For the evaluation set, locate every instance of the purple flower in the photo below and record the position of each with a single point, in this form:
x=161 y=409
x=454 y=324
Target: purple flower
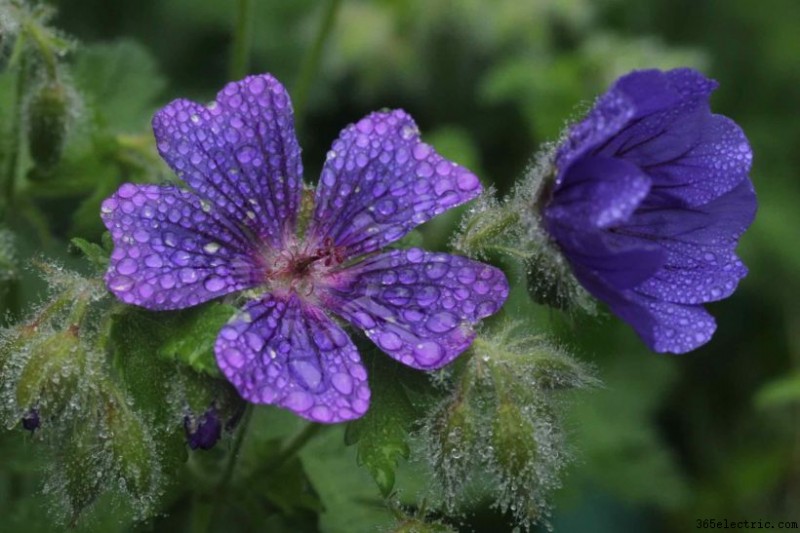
x=204 y=432
x=651 y=196
x=238 y=227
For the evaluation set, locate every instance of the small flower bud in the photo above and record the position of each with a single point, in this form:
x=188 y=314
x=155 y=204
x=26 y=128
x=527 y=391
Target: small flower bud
x=512 y=439
x=30 y=420
x=415 y=525
x=131 y=447
x=48 y=123
x=50 y=370
x=81 y=473
x=456 y=431
x=204 y=431
x=8 y=260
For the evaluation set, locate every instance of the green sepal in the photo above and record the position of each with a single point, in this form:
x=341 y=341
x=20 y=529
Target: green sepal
x=96 y=254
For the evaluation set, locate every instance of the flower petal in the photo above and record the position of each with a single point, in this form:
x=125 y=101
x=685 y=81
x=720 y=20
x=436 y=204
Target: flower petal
x=597 y=192
x=696 y=166
x=380 y=181
x=419 y=307
x=240 y=153
x=172 y=251
x=618 y=260
x=700 y=264
x=638 y=108
x=691 y=155
x=280 y=351
x=663 y=326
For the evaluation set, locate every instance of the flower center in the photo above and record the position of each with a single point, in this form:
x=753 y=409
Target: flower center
x=300 y=268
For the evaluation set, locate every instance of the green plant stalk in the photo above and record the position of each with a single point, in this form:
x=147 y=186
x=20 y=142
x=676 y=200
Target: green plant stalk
x=227 y=474
x=45 y=47
x=294 y=446
x=14 y=138
x=311 y=60
x=240 y=49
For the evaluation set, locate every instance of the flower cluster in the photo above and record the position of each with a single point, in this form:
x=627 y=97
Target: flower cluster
x=651 y=195
x=239 y=227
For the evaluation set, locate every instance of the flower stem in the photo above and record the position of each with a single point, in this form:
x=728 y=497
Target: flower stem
x=294 y=446
x=240 y=50
x=204 y=502
x=311 y=60
x=12 y=163
x=227 y=474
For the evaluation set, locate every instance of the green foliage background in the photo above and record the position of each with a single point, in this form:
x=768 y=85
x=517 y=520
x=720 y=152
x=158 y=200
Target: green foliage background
x=667 y=440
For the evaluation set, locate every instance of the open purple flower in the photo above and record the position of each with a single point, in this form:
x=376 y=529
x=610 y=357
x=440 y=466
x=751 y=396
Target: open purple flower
x=237 y=228
x=651 y=196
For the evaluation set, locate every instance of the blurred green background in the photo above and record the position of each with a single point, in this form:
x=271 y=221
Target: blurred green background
x=668 y=440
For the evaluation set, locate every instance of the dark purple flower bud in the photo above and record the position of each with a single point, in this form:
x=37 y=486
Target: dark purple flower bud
x=30 y=420
x=236 y=227
x=650 y=198
x=204 y=431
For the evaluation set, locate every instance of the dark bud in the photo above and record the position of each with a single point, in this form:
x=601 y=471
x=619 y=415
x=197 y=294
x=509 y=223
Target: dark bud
x=203 y=432
x=30 y=420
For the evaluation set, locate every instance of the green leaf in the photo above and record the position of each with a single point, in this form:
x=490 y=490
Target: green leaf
x=120 y=81
x=782 y=391
x=352 y=505
x=95 y=253
x=621 y=448
x=192 y=336
x=382 y=433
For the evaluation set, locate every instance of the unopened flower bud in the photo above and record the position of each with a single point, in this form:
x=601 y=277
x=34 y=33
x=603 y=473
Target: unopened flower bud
x=48 y=122
x=82 y=472
x=415 y=525
x=456 y=430
x=204 y=431
x=8 y=259
x=30 y=420
x=131 y=445
x=512 y=438
x=51 y=368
